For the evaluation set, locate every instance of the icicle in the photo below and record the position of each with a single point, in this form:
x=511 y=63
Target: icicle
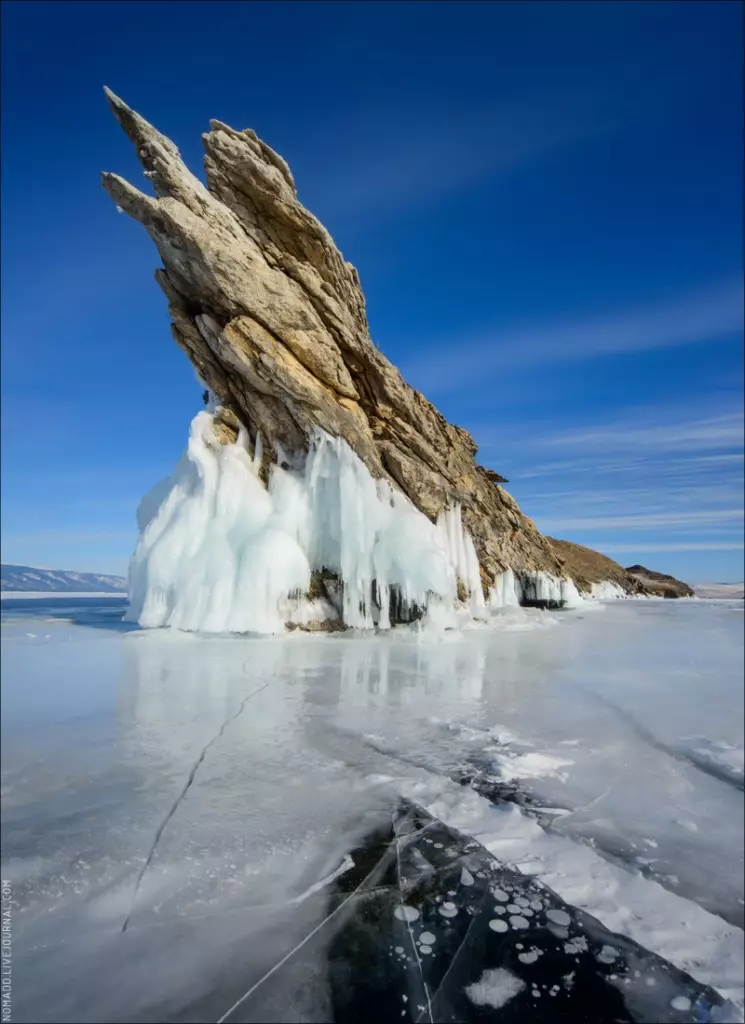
x=461 y=552
x=542 y=590
x=243 y=439
x=258 y=452
x=506 y=592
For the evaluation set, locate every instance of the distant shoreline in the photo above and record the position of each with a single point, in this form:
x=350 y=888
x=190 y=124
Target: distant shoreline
x=721 y=591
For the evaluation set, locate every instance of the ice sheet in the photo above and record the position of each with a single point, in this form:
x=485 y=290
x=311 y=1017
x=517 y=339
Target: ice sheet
x=206 y=789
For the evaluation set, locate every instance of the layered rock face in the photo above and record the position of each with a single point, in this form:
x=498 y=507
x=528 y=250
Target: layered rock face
x=273 y=319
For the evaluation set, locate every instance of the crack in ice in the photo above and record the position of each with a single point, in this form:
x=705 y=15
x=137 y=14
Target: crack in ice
x=457 y=952
x=179 y=799
x=308 y=937
x=408 y=925
x=686 y=757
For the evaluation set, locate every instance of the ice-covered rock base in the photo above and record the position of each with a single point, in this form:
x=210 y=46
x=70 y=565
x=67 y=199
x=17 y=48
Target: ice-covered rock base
x=541 y=590
x=222 y=549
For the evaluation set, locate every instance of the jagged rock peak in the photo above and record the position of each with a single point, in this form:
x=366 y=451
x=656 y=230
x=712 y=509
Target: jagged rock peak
x=273 y=318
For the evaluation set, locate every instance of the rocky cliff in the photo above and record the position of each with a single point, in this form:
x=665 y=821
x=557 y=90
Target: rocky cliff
x=273 y=318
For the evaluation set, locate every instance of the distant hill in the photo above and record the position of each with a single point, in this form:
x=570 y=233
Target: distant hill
x=19 y=579
x=659 y=583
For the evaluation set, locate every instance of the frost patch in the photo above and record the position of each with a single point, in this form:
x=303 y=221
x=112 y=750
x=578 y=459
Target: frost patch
x=576 y=945
x=495 y=988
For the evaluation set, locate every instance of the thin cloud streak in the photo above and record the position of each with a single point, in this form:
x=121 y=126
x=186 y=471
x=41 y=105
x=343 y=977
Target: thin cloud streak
x=667 y=520
x=702 y=546
x=639 y=499
x=705 y=436
x=717 y=432
x=423 y=159
x=713 y=313
x=673 y=471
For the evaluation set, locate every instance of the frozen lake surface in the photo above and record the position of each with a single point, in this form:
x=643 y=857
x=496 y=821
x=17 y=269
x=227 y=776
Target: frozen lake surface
x=323 y=828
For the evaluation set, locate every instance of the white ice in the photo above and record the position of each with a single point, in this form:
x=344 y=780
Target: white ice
x=221 y=551
x=606 y=591
x=495 y=988
x=295 y=747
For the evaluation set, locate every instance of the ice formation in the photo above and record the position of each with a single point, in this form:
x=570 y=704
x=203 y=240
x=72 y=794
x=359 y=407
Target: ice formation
x=217 y=551
x=533 y=588
x=544 y=590
x=462 y=555
x=506 y=592
x=220 y=550
x=606 y=591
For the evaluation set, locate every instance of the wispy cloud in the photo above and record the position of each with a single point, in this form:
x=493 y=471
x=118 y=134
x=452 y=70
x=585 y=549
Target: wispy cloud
x=431 y=150
x=643 y=521
x=680 y=546
x=708 y=435
x=716 y=432
x=709 y=314
x=673 y=477
x=655 y=497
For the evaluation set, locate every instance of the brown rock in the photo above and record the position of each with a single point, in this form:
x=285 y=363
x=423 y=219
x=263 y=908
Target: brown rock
x=658 y=584
x=273 y=318
x=585 y=567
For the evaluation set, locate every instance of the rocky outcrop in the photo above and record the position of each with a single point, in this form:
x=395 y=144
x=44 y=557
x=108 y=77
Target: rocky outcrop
x=585 y=567
x=273 y=318
x=657 y=584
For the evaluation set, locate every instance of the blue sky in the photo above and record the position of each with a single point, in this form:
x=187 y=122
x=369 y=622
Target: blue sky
x=544 y=202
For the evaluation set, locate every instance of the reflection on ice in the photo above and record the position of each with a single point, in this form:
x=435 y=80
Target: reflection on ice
x=246 y=770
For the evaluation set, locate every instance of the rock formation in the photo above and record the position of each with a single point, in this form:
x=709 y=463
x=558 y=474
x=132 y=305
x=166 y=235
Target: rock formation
x=657 y=584
x=585 y=567
x=273 y=319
